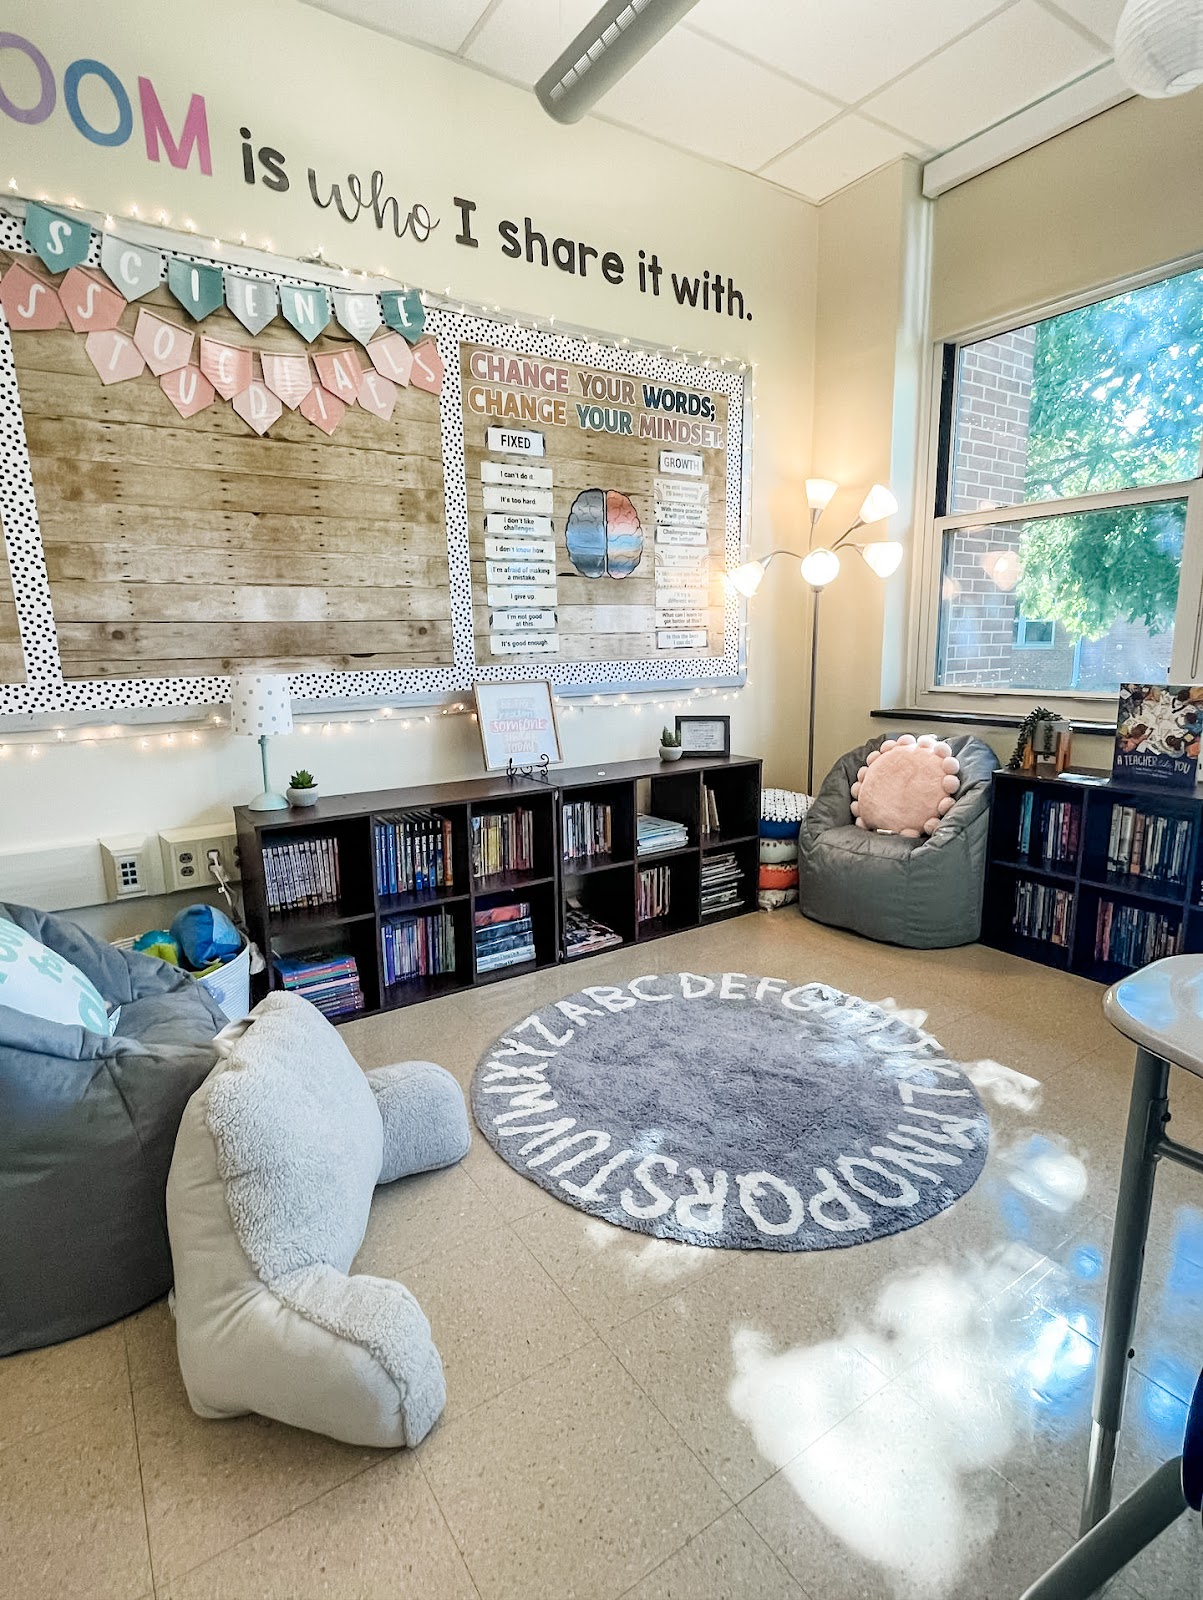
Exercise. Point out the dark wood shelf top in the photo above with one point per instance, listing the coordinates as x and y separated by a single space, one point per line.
581 866
394 905
1123 884
315 918
508 883
660 928
1013 864
724 841
408 991
653 857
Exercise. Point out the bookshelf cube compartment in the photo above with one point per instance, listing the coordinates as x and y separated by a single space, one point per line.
425 952
420 856
356 939
582 829
736 792
498 920
512 842
677 797
666 895
1144 842
1031 913
1041 827
317 873
608 896
716 874
1117 932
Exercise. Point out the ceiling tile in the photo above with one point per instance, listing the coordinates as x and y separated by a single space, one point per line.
522 38
1100 16
998 69
698 95
846 48
445 24
837 155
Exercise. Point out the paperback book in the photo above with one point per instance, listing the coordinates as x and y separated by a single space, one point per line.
1157 734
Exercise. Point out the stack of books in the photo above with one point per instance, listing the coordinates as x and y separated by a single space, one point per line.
329 980
722 877
301 874
504 936
412 852
1042 912
1055 841
710 823
418 947
585 934
587 830
1149 846
655 893
1133 937
656 835
503 841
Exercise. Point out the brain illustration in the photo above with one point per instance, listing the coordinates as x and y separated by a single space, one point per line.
604 535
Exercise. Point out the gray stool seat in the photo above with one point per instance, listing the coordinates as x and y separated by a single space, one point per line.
1160 1008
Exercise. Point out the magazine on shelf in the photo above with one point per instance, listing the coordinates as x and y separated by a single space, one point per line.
1157 734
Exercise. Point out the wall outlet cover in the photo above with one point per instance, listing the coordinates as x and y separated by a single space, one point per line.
125 866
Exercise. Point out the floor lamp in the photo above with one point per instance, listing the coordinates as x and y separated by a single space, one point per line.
820 566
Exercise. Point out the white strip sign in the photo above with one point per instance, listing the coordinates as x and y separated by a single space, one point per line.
691 639
682 516
525 644
514 442
520 550
679 535
521 594
520 571
532 621
516 472
673 491
503 499
677 561
681 595
688 466
683 617
502 522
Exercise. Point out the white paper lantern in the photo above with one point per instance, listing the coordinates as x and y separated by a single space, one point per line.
1159 46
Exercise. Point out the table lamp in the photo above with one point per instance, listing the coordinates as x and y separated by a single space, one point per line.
259 707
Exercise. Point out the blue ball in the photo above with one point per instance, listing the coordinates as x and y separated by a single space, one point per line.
205 935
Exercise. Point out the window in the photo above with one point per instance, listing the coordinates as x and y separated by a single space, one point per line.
1069 505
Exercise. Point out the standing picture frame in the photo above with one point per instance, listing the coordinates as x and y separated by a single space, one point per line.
704 736
519 732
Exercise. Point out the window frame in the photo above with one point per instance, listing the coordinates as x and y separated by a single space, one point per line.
933 522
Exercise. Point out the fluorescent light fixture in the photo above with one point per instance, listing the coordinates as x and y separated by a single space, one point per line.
607 47
884 558
745 580
878 504
819 492
820 567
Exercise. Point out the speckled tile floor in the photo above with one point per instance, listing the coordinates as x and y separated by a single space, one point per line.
631 1418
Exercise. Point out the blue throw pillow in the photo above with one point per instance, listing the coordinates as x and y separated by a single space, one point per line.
205 935
36 981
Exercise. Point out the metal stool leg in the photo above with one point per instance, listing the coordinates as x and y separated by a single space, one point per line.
1147 1114
1121 1535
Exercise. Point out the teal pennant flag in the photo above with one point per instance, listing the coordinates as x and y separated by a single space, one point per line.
199 289
59 241
306 307
403 310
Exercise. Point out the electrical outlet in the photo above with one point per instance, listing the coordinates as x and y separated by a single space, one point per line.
186 855
126 869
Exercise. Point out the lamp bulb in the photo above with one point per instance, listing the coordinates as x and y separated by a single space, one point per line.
820 567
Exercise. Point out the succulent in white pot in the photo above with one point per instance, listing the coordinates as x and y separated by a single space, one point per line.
302 789
670 745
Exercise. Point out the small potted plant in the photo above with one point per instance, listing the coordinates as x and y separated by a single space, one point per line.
670 745
302 789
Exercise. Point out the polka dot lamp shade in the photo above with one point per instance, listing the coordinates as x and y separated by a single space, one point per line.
260 703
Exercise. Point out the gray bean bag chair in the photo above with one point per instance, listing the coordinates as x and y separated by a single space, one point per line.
923 893
87 1128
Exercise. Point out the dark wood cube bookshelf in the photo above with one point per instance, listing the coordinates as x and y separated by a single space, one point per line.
1069 864
606 885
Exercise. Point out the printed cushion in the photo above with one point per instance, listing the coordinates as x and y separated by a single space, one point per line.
778 852
906 786
39 983
773 899
779 877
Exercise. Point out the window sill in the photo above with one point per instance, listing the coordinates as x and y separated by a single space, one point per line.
983 719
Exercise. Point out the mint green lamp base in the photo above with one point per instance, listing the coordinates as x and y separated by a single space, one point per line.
269 800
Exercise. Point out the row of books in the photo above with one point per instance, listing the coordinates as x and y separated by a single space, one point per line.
655 893
329 981
722 880
657 834
1051 840
585 934
1042 911
710 822
418 947
412 852
301 874
1147 845
587 830
1133 936
503 841
504 935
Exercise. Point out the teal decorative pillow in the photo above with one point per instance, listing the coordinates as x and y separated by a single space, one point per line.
35 980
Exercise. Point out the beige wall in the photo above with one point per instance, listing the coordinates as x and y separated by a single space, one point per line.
343 99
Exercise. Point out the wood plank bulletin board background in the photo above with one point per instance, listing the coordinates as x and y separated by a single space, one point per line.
150 556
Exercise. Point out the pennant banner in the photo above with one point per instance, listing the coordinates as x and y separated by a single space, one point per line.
307 309
114 355
322 409
252 300
91 304
257 406
359 314
403 309
340 372
288 377
165 347
188 390
28 300
198 288
377 395
392 358
428 368
227 366
60 241
135 269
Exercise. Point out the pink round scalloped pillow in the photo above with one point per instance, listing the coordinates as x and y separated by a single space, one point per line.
906 786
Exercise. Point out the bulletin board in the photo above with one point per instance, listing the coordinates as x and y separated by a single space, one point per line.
150 550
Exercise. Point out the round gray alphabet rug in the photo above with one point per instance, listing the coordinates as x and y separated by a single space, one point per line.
734 1111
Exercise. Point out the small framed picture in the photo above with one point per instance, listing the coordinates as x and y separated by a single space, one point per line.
517 723
705 736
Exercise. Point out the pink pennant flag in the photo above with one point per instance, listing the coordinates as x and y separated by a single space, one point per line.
287 376
257 406
428 367
322 409
188 389
392 358
227 366
377 395
165 346
114 355
28 300
340 372
91 304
